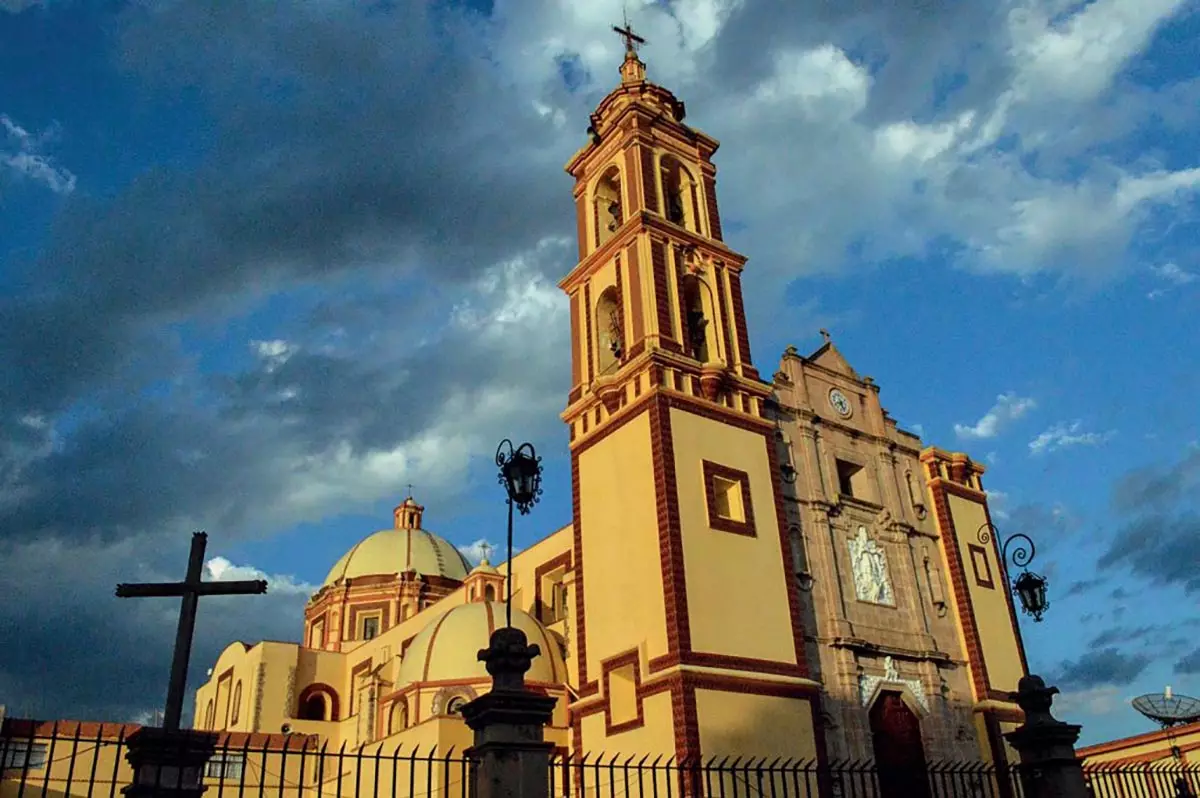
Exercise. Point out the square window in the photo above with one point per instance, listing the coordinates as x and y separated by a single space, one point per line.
370 627
852 480
728 493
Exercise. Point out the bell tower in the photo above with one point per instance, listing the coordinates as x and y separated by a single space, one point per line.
688 637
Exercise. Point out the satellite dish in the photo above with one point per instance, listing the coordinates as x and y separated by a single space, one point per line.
1168 709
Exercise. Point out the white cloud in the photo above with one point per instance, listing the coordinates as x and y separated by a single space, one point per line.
1062 435
1104 699
1172 274
1008 407
998 502
24 161
475 552
219 569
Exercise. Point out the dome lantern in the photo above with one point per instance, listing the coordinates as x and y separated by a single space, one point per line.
407 514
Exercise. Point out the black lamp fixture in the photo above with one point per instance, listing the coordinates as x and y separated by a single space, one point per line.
1029 587
521 476
788 472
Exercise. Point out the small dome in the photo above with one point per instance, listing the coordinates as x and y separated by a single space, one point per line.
485 567
404 547
448 647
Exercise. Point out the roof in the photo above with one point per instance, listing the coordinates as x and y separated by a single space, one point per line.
393 551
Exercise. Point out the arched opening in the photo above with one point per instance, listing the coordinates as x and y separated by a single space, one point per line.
489 593
398 717
237 702
610 341
899 752
317 702
695 319
607 206
678 193
209 713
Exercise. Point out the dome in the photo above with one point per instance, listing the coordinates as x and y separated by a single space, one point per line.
406 546
448 647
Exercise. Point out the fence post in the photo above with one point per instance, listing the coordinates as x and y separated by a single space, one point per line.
1049 766
168 764
512 758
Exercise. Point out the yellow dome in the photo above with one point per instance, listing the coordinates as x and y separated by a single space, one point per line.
393 551
448 647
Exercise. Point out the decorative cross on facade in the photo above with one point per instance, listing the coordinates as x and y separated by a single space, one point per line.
631 38
486 548
191 589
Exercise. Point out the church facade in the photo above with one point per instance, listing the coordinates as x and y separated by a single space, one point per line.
754 566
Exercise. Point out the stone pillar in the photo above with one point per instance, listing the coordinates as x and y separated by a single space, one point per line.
168 764
1049 767
512 758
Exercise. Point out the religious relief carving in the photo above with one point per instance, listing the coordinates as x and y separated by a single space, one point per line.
891 675
868 563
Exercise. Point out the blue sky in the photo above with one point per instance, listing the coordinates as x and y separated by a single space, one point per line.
259 271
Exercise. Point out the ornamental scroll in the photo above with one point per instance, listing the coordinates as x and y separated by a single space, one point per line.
868 563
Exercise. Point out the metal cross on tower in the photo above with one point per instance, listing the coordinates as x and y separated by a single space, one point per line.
631 38
191 589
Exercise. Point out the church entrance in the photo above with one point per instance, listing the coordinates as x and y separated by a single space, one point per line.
899 753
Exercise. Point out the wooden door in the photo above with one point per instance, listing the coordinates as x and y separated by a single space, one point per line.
899 752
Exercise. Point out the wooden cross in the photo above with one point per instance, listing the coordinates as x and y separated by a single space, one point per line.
191 589
629 36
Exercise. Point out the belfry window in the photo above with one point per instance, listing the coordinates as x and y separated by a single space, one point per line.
678 193
607 205
610 341
370 627
695 319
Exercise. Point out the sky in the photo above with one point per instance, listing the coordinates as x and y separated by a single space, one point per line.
260 269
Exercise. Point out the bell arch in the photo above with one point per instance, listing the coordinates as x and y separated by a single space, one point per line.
699 313
678 189
607 204
318 701
610 338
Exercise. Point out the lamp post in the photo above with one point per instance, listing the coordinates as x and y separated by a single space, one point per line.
521 476
1029 587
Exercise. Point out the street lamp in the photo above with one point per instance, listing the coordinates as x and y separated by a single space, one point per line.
521 476
1029 587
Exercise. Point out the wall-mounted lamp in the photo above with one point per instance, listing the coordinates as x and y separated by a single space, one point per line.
788 472
1029 587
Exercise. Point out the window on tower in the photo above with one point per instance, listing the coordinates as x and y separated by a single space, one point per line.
695 318
370 627
678 192
728 493
610 342
608 213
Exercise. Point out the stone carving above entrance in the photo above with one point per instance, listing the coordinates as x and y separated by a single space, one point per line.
868 563
868 684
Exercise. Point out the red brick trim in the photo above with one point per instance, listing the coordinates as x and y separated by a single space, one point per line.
785 548
630 184
724 313
958 583
714 471
562 560
670 534
585 687
638 324
714 217
576 354
981 566
662 298
712 660
739 320
325 690
606 669
1145 738
617 267
581 224
589 332
356 610
649 183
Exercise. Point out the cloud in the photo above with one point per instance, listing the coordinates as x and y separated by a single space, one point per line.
1160 548
1063 435
19 152
1008 408
1171 274
1154 487
475 552
1102 699
998 502
1105 666
17 6
219 569
1190 663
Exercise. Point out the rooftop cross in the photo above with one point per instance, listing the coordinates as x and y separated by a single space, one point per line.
486 548
410 493
631 38
191 589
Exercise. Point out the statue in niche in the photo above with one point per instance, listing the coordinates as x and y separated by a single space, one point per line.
868 563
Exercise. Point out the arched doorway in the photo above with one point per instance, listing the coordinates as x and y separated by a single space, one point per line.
899 752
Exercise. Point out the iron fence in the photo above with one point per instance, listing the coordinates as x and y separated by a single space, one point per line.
91 763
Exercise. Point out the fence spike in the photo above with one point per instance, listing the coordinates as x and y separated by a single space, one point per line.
642 761
628 759
654 764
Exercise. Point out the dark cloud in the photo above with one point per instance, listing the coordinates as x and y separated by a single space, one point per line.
1189 663
1162 549
1149 489
1101 666
1082 586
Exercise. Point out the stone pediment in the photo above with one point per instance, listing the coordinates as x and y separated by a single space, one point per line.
830 358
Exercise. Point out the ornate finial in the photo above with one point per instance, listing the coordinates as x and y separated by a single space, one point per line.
632 70
508 656
410 490
486 548
825 335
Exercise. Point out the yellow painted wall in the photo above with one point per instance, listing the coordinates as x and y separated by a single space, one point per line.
733 724
736 585
1152 747
623 585
1000 652
656 736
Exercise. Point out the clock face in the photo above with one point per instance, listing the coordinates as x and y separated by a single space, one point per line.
839 402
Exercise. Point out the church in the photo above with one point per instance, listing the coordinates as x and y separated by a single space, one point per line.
756 565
